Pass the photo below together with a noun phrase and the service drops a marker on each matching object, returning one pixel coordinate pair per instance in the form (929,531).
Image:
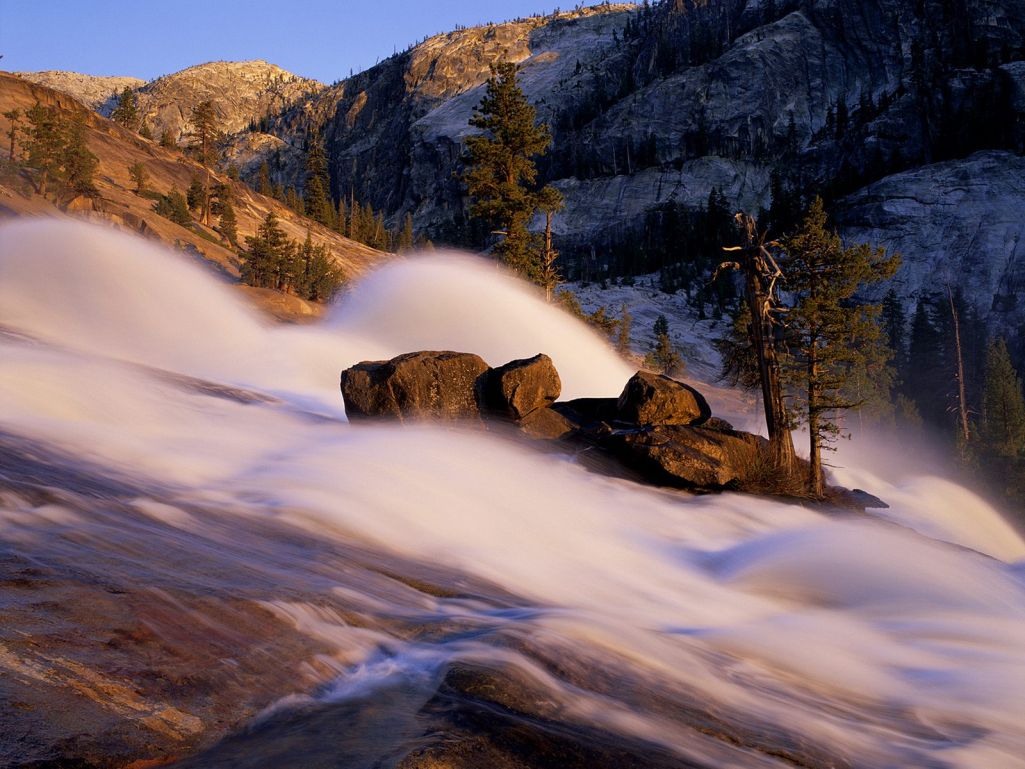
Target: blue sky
(322,39)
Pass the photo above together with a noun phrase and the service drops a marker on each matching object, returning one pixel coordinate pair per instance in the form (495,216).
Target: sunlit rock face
(243,92)
(95,92)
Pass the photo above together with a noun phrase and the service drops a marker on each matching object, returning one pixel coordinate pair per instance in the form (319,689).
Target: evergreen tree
(175,207)
(739,363)
(204,132)
(342,218)
(321,278)
(501,174)
(263,185)
(269,257)
(927,375)
(406,238)
(1003,408)
(294,201)
(44,143)
(544,270)
(196,193)
(139,176)
(167,139)
(664,358)
(13,115)
(145,132)
(219,197)
(56,146)
(228,223)
(204,135)
(661,327)
(126,113)
(625,324)
(78,164)
(831,336)
(893,324)
(318,183)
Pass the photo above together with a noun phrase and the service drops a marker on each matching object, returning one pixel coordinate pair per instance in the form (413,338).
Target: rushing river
(664,629)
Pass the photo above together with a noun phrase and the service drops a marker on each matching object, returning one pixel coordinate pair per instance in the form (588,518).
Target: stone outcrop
(243,92)
(655,399)
(521,387)
(653,428)
(415,386)
(95,92)
(677,455)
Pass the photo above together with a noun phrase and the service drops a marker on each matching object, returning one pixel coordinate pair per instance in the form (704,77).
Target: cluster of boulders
(659,428)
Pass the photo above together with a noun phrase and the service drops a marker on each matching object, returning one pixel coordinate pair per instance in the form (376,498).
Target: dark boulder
(689,457)
(522,386)
(586,412)
(547,424)
(655,399)
(417,385)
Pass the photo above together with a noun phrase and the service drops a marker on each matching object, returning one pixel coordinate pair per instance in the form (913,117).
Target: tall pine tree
(126,113)
(501,174)
(319,206)
(830,334)
(1003,408)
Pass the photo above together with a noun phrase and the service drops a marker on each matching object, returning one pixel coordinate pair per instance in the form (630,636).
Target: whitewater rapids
(896,640)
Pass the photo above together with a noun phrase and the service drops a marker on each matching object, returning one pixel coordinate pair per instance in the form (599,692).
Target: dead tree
(761,276)
(965,433)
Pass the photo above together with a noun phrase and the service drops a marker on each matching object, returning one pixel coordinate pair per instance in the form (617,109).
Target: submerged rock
(523,386)
(418,385)
(655,399)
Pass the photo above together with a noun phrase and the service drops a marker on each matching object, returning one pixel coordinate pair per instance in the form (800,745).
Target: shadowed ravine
(204,564)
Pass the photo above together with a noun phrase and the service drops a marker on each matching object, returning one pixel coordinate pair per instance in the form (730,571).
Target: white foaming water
(897,640)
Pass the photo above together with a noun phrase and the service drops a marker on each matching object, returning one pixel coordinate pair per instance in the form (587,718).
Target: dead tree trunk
(760,276)
(962,401)
(550,275)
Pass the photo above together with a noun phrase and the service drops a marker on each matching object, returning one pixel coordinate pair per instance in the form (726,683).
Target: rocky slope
(117,204)
(654,107)
(243,92)
(95,92)
(758,99)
